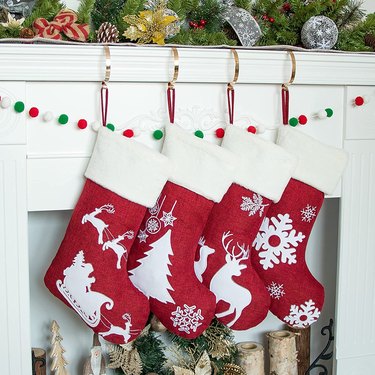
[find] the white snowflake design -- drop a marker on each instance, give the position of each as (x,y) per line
(303,315)
(142,235)
(278,241)
(308,213)
(276,290)
(168,217)
(186,319)
(253,205)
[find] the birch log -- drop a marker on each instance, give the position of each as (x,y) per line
(283,353)
(251,357)
(303,348)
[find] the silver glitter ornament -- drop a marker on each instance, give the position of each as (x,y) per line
(244,25)
(319,32)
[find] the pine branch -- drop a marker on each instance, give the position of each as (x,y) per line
(43,9)
(84,11)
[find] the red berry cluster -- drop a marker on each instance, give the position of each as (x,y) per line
(265,17)
(286,7)
(198,24)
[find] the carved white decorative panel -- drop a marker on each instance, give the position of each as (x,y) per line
(356,280)
(14,266)
(360,120)
(12,124)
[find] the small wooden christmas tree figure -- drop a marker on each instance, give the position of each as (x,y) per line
(57,353)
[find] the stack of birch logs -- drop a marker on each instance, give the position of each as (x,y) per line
(289,353)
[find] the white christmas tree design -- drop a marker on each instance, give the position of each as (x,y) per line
(59,363)
(151,276)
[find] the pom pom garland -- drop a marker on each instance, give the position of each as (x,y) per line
(5,102)
(128,133)
(19,107)
(63,119)
(199,134)
(252,129)
(110,127)
(82,124)
(220,132)
(33,112)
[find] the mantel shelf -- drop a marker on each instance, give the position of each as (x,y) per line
(154,64)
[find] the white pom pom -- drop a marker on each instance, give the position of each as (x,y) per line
(48,116)
(96,126)
(366,98)
(137,132)
(5,102)
(260,129)
(322,114)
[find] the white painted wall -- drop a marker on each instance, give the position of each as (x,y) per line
(46,230)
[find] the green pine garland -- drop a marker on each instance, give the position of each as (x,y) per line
(84,11)
(43,9)
(106,11)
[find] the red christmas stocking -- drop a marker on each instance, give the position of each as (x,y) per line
(161,263)
(89,272)
(279,248)
(223,259)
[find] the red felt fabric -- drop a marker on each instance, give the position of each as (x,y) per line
(242,299)
(278,255)
(161,262)
(98,288)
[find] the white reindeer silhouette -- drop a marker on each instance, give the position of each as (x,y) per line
(222,285)
(119,249)
(116,330)
(99,224)
(200,265)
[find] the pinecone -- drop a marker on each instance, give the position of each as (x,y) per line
(370,40)
(107,33)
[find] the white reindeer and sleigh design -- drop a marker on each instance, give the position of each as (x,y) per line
(222,284)
(76,287)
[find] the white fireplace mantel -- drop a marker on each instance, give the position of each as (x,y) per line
(41,164)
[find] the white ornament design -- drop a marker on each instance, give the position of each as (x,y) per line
(276,290)
(278,241)
(76,289)
(153,225)
(186,319)
(303,315)
(142,236)
(308,213)
(253,205)
(168,218)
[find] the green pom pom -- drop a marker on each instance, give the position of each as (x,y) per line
(329,112)
(293,122)
(111,127)
(199,134)
(63,119)
(19,107)
(158,134)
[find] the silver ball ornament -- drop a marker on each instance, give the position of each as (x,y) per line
(319,32)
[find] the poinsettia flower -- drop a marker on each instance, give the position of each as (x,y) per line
(12,22)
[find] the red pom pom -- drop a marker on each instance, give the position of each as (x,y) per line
(252,129)
(129,133)
(302,120)
(272,20)
(220,132)
(34,112)
(359,101)
(82,124)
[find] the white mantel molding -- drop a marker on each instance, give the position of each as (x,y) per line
(38,62)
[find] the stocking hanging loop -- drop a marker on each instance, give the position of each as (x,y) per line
(285,89)
(104,90)
(230,86)
(171,94)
